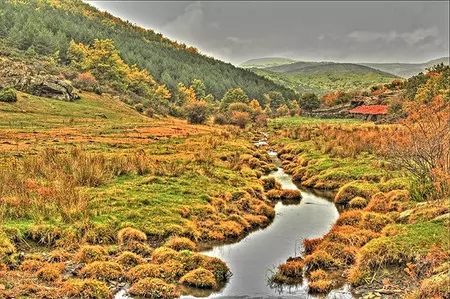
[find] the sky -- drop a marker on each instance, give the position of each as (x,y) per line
(351,31)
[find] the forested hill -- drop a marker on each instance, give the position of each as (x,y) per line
(48,26)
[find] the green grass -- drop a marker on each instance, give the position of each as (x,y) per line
(288,122)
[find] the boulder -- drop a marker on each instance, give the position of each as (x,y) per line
(47,86)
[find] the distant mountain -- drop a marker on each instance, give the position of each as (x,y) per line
(266,62)
(324,67)
(406,70)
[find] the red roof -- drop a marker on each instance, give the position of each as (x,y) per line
(373,109)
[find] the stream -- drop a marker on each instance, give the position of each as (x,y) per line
(253,258)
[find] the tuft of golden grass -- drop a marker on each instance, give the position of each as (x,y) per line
(102,270)
(90,253)
(153,288)
(179,243)
(85,288)
(291,269)
(199,278)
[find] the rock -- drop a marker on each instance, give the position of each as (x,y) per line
(404,215)
(442,217)
(47,86)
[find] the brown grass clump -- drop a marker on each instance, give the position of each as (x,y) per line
(352,218)
(163,254)
(142,249)
(129,259)
(178,244)
(31,266)
(50,272)
(389,202)
(102,270)
(437,286)
(199,278)
(311,244)
(129,234)
(145,271)
(291,195)
(291,269)
(256,220)
(318,274)
(374,221)
(153,288)
(90,253)
(350,236)
(6,247)
(59,255)
(218,267)
(320,286)
(85,288)
(274,194)
(320,259)
(355,189)
(358,202)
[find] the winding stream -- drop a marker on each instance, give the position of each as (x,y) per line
(252,259)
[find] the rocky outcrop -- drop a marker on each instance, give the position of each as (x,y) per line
(32,79)
(47,86)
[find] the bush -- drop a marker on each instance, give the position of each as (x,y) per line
(240,119)
(241,107)
(153,288)
(102,270)
(221,119)
(197,112)
(178,244)
(8,95)
(87,288)
(87,82)
(199,278)
(139,107)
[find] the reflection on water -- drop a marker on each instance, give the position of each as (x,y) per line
(252,259)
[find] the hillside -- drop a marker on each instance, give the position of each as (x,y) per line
(323,77)
(47,27)
(406,70)
(324,67)
(266,62)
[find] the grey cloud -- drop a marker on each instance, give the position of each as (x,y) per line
(344,31)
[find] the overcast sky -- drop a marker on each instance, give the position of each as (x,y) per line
(338,31)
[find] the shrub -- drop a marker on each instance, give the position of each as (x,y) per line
(199,278)
(240,119)
(291,269)
(221,119)
(178,244)
(102,270)
(87,288)
(240,107)
(139,107)
(87,82)
(129,259)
(197,112)
(8,95)
(129,234)
(153,288)
(90,253)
